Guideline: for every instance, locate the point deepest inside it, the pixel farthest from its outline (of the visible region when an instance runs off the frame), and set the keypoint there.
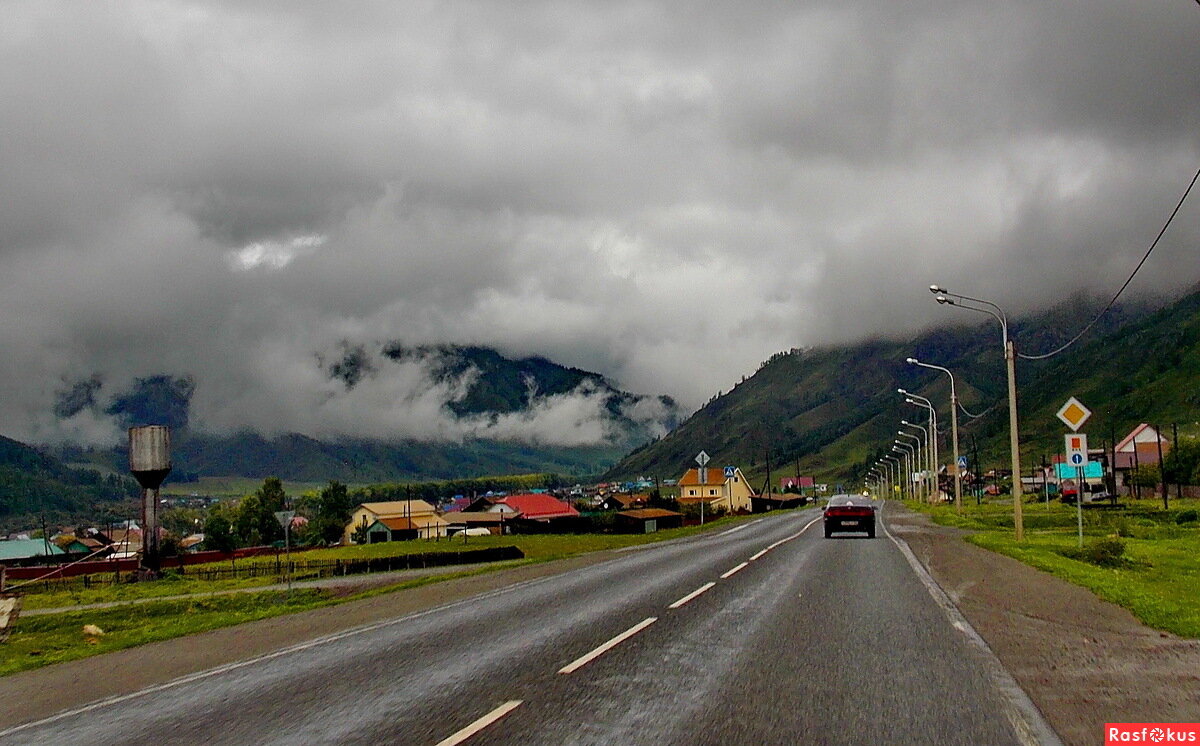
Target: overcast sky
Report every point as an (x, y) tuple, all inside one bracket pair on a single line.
[(663, 194)]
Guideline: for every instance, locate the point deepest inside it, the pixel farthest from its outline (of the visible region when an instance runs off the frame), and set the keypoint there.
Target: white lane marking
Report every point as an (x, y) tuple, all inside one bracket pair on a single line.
[(727, 573), (739, 528), (235, 665), (785, 540), (691, 595), (579, 663), (796, 535), (481, 723)]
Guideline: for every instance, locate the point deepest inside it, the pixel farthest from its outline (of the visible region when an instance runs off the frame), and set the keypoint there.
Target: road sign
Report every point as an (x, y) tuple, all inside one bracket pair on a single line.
[(962, 462), (702, 459), (285, 517), (1074, 414), (729, 472), (1077, 450)]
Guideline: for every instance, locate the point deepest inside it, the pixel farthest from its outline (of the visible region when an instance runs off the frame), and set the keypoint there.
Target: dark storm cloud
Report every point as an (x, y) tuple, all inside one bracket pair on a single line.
[(661, 193)]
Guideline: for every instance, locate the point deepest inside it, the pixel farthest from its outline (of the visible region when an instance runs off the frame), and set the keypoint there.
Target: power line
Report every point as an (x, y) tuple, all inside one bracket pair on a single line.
[(1128, 280)]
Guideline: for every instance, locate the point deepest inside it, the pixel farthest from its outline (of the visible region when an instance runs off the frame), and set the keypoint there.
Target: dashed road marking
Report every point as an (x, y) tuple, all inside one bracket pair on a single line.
[(728, 573), (691, 595), (481, 723), (579, 663)]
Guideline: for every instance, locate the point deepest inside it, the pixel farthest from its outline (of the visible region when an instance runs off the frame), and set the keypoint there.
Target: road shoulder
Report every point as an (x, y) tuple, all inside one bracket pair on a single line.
[(1083, 661)]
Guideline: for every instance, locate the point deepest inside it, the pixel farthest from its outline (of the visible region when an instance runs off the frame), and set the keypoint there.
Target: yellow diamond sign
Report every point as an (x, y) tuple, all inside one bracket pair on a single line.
[(1074, 414)]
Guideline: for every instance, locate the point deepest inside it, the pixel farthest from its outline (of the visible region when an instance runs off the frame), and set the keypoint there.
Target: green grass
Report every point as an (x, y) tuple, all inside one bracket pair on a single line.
[(58, 638), (54, 638), (1160, 582), (232, 487)]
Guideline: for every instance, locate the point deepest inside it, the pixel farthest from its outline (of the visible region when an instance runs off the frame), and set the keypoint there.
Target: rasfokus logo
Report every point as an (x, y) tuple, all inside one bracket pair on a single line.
[(1115, 733)]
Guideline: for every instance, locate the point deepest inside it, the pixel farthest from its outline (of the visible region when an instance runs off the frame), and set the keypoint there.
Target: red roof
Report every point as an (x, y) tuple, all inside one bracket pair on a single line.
[(538, 507)]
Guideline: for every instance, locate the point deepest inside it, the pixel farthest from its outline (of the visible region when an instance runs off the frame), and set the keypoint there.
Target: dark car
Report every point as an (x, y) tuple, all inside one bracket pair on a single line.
[(849, 513)]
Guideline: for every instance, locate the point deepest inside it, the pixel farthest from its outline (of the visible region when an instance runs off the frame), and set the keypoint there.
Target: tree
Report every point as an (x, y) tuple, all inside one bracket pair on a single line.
[(219, 531), (1182, 464), (181, 521), (1145, 475), (256, 524), (328, 512)]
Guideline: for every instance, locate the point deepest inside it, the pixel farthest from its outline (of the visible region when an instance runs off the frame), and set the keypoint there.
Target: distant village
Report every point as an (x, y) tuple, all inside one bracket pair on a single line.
[(638, 506)]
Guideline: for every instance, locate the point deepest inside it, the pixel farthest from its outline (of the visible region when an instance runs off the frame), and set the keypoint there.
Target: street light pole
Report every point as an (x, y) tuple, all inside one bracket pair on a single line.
[(924, 490), (893, 462), (902, 467), (931, 434), (911, 454), (953, 429), (945, 297)]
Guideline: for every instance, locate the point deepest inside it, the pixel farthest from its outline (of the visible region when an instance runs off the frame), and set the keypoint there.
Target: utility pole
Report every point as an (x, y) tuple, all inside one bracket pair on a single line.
[(1174, 445), (1162, 471)]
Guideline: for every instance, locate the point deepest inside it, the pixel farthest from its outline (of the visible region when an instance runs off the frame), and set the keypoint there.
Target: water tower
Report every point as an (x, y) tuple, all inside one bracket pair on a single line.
[(150, 463)]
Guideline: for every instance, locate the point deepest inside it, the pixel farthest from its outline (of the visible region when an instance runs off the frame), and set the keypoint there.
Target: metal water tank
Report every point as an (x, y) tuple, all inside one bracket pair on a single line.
[(150, 454)]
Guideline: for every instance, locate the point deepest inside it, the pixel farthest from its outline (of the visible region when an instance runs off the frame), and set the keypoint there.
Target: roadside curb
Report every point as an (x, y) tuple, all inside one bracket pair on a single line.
[(1027, 720)]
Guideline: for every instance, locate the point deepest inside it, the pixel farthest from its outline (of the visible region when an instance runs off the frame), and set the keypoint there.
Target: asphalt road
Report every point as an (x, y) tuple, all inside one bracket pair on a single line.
[(810, 641)]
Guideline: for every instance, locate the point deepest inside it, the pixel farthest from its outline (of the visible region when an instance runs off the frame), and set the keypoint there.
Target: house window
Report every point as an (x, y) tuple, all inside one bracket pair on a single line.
[(691, 492), (712, 492)]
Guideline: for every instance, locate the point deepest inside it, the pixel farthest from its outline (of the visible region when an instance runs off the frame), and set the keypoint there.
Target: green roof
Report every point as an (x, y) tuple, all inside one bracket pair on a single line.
[(14, 549)]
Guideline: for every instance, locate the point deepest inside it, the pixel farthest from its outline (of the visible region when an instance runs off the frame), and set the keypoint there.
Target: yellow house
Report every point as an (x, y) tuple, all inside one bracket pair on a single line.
[(422, 515), (716, 490)]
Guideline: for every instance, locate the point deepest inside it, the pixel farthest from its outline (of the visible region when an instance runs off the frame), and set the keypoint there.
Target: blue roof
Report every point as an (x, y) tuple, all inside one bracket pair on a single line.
[(25, 548)]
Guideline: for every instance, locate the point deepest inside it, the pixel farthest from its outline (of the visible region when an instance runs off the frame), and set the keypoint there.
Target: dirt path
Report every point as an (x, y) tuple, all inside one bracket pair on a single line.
[(1083, 661)]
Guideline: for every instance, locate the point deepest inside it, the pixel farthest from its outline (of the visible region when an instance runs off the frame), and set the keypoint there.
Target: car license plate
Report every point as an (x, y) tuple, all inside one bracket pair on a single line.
[(849, 523)]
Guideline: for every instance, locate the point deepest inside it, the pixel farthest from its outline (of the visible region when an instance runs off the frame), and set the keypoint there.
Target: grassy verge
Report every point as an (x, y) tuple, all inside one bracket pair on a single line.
[(55, 638), (1156, 575)]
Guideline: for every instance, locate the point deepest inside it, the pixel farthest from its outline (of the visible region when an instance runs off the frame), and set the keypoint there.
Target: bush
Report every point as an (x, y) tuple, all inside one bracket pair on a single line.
[(1187, 516), (1108, 552)]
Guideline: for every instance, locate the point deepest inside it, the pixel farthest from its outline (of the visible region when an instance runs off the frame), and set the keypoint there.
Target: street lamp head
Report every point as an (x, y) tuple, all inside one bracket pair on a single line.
[(944, 300), (905, 422), (912, 361), (901, 391), (909, 400), (937, 289)]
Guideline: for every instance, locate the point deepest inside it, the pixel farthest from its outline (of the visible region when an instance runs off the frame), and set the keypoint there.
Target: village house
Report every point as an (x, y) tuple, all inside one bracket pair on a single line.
[(717, 491), (423, 519)]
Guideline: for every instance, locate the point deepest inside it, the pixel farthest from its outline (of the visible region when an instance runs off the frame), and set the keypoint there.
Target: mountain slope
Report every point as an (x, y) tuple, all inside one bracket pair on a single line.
[(832, 411), (32, 483), (492, 413)]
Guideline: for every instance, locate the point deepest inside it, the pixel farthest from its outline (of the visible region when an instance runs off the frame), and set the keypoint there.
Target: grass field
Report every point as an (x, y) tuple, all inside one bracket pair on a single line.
[(231, 487), (1156, 576), (52, 638)]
